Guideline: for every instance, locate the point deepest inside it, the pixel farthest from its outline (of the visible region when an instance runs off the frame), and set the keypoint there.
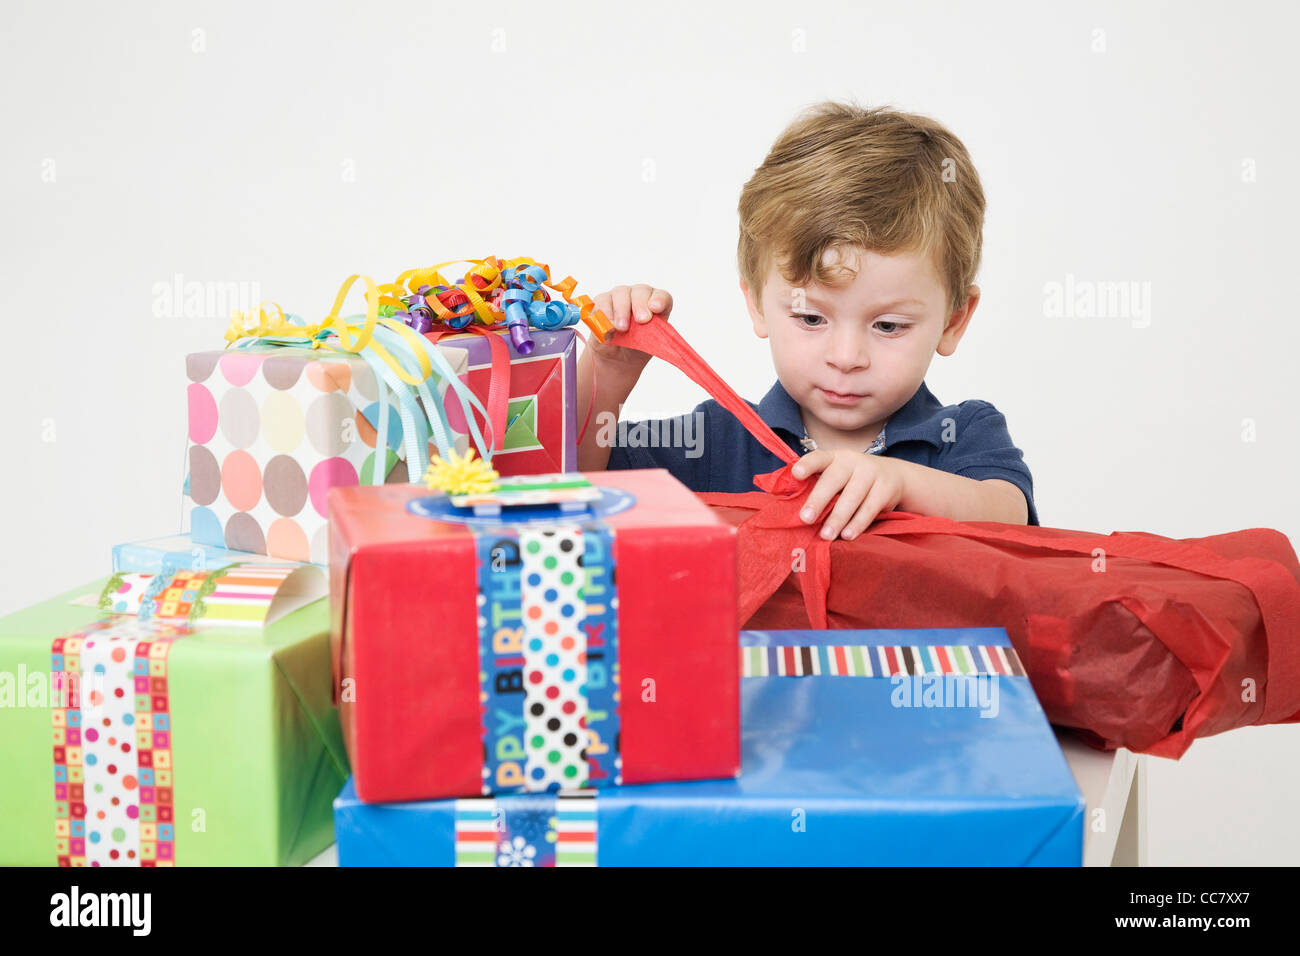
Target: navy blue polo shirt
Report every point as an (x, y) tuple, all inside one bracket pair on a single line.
[(707, 449)]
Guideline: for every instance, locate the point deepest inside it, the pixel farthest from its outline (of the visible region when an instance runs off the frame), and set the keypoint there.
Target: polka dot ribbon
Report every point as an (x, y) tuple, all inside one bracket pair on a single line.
[(548, 655), (111, 718)]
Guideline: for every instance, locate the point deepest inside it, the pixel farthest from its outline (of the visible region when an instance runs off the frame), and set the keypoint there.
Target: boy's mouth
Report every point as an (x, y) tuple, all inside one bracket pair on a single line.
[(840, 398)]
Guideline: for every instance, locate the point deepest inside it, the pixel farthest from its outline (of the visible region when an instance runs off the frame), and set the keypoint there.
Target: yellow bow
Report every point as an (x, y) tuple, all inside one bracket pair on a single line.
[(461, 475), (263, 324), (351, 336)]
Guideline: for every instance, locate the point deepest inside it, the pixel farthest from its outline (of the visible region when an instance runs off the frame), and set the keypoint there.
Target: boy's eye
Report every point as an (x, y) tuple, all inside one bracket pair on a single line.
[(893, 327), (806, 316)]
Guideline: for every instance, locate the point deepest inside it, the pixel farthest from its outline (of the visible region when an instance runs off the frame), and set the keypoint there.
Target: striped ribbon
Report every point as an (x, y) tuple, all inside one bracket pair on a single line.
[(860, 660), (534, 830), (238, 595)]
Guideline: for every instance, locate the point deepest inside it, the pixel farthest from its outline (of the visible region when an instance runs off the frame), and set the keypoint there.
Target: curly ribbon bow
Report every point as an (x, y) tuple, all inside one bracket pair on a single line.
[(512, 291), (493, 291), (402, 359), (408, 315)]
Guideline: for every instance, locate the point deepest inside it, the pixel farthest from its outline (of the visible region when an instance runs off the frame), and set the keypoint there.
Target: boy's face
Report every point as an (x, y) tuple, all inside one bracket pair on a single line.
[(853, 356)]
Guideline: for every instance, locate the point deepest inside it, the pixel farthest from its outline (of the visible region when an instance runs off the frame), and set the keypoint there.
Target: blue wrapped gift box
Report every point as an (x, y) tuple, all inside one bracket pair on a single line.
[(883, 747), (178, 553)]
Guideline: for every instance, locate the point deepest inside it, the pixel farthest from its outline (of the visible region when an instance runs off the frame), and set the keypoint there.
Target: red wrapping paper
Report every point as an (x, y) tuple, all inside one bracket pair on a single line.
[(1134, 639)]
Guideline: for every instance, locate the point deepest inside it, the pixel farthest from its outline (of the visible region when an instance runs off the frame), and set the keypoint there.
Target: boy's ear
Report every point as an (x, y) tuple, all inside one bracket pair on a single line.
[(958, 322), (755, 312)]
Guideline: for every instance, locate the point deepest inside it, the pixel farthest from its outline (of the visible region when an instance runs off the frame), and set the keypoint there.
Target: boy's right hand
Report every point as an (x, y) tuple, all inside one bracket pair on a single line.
[(623, 304)]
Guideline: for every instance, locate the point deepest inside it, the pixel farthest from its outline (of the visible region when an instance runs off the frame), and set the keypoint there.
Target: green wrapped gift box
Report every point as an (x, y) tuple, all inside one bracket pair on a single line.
[(227, 753)]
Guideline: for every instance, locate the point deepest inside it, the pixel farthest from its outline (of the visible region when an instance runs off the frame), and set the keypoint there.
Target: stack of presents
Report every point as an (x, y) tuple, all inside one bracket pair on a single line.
[(402, 621)]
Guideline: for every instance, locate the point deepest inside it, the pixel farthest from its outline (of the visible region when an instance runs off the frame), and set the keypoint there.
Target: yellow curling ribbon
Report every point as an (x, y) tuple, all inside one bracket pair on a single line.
[(461, 475), (352, 337), (264, 324)]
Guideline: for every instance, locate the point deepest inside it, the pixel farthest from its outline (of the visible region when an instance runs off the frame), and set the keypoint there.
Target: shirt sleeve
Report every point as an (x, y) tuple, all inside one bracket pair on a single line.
[(983, 449), (676, 444)]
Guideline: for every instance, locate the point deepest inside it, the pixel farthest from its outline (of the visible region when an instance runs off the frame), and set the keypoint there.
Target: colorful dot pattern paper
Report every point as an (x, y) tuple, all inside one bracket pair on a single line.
[(271, 431), (112, 745), (124, 592), (555, 662), (548, 652)]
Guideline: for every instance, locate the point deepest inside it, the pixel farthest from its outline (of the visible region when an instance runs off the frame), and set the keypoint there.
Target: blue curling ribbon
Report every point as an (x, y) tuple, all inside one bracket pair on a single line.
[(553, 315), (527, 278)]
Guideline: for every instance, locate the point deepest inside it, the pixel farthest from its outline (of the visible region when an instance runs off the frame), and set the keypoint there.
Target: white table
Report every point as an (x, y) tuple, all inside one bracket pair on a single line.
[(1113, 786)]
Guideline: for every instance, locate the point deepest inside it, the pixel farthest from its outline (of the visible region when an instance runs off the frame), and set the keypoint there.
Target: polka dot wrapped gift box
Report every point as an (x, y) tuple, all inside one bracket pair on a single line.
[(271, 430), (484, 645), (290, 410)]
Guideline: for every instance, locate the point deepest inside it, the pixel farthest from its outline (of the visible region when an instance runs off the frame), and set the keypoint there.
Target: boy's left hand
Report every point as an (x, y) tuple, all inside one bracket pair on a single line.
[(867, 485)]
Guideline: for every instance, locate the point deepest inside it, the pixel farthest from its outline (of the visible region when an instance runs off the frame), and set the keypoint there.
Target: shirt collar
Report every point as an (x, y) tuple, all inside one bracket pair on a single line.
[(912, 422)]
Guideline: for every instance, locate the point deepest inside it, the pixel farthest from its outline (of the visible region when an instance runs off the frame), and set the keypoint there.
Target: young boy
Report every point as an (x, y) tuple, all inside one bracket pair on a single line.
[(860, 237)]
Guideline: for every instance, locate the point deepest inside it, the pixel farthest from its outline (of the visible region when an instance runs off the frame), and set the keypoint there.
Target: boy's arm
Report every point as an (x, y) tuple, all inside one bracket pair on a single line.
[(929, 491), (613, 385), (616, 369), (983, 478)]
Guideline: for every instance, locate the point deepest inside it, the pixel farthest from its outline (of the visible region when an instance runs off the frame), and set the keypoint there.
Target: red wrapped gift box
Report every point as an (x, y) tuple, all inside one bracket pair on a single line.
[(532, 400), (455, 661)]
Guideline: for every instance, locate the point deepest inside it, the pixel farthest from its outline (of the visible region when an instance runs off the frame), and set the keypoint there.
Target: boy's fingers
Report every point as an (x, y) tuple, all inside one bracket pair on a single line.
[(811, 463), (870, 509), (851, 498), (620, 300), (640, 302), (661, 303), (827, 487)]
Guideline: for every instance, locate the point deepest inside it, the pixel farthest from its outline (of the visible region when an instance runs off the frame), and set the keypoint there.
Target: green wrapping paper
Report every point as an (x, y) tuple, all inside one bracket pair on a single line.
[(255, 750)]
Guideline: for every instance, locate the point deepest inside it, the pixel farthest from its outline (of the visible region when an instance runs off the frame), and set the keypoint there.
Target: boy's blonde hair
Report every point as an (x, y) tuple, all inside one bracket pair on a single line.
[(883, 180)]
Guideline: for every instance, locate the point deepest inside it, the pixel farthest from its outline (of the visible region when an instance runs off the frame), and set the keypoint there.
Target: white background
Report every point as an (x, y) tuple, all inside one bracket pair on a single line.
[(287, 146)]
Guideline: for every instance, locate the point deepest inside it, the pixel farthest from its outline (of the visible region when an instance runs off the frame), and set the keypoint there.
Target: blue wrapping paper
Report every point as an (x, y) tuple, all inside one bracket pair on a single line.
[(902, 747), (179, 553)]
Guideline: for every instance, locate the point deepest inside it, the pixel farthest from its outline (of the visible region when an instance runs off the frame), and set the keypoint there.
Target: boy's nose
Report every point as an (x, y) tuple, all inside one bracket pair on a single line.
[(848, 354)]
